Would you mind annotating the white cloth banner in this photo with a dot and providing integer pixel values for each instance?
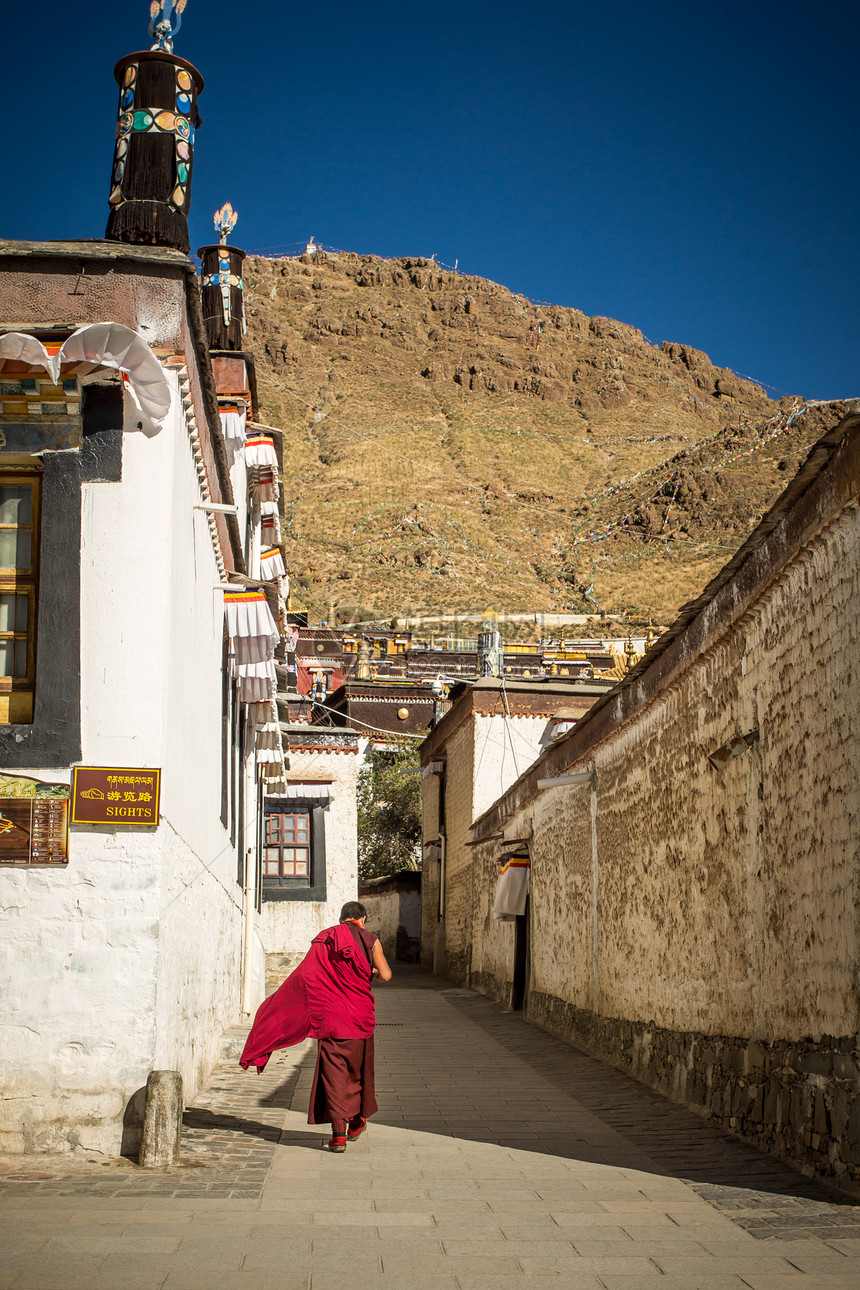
(253, 689)
(512, 887)
(266, 668)
(233, 426)
(264, 714)
(268, 736)
(252, 649)
(266, 487)
(108, 344)
(272, 564)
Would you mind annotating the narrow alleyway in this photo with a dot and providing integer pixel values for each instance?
(501, 1159)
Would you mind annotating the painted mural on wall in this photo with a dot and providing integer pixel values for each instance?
(34, 821)
(37, 415)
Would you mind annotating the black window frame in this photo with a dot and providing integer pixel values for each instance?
(293, 889)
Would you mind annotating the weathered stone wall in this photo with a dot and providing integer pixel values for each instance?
(393, 907)
(432, 786)
(493, 942)
(709, 942)
(455, 962)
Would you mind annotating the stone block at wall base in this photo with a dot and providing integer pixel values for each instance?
(63, 1121)
(501, 992)
(278, 968)
(786, 1097)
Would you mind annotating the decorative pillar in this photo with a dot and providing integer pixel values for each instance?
(151, 185)
(222, 286)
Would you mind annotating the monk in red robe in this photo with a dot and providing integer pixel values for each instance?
(328, 996)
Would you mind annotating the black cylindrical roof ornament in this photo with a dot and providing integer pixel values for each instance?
(151, 185)
(222, 286)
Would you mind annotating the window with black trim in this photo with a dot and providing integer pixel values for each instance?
(287, 842)
(19, 567)
(293, 848)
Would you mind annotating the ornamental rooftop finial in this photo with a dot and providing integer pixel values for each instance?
(160, 27)
(225, 221)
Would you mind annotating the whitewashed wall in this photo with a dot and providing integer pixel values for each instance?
(130, 958)
(504, 748)
(289, 926)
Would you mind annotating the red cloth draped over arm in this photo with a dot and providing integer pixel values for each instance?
(328, 996)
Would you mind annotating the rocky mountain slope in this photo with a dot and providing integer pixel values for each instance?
(451, 446)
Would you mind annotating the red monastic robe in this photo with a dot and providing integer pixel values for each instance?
(328, 996)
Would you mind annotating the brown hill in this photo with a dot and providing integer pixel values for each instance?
(452, 446)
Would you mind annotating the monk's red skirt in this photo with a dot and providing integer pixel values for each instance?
(343, 1081)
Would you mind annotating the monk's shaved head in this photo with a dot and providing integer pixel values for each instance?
(352, 909)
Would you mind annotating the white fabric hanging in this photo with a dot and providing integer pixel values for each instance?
(252, 649)
(117, 346)
(270, 530)
(108, 344)
(253, 689)
(268, 738)
(21, 348)
(264, 714)
(264, 668)
(512, 887)
(310, 791)
(233, 426)
(265, 486)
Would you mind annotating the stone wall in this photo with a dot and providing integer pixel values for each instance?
(393, 907)
(432, 788)
(701, 927)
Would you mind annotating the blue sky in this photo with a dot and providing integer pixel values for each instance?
(691, 170)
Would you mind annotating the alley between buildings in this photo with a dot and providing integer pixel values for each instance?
(501, 1159)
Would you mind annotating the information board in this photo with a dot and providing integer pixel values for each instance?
(34, 821)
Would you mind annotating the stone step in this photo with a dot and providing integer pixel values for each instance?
(232, 1043)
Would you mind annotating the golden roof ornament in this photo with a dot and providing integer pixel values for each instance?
(362, 671)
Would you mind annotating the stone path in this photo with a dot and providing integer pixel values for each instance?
(501, 1159)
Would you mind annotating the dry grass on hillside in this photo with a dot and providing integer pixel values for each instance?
(444, 454)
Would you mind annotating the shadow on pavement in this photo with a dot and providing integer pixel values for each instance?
(554, 1097)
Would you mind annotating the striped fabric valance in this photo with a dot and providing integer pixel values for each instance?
(271, 563)
(248, 614)
(233, 423)
(260, 452)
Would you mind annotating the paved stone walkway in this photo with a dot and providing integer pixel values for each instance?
(501, 1159)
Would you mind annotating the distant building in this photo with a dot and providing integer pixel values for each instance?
(371, 663)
